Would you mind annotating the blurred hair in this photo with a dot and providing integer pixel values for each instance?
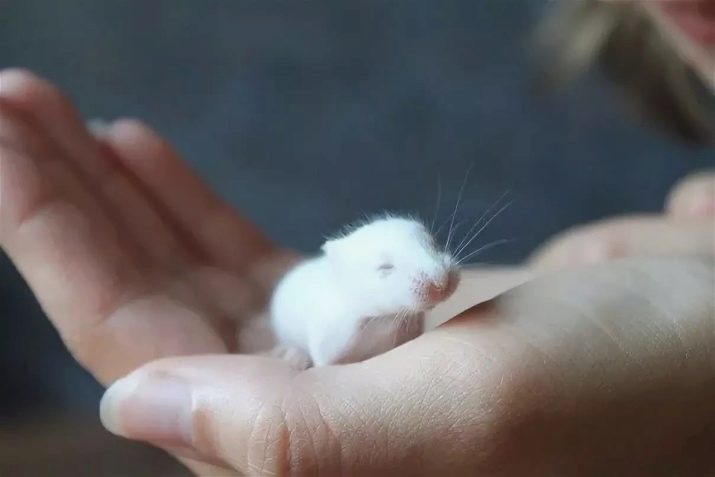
(636, 55)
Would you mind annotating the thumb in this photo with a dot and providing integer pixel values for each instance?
(219, 409)
(259, 416)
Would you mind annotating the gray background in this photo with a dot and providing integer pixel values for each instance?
(307, 114)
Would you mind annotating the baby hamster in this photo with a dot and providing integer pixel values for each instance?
(365, 294)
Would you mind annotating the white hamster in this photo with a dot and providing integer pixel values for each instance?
(365, 294)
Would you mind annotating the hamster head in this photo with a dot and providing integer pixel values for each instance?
(392, 265)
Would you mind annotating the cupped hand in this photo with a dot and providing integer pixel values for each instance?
(686, 227)
(596, 371)
(131, 256)
(135, 260)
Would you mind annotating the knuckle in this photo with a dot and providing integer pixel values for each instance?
(268, 443)
(288, 438)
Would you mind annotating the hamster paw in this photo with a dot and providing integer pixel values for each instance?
(294, 356)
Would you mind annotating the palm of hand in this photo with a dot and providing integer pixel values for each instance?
(151, 263)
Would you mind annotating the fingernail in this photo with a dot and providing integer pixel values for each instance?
(148, 407)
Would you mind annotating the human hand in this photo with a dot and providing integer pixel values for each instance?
(596, 371)
(107, 243)
(686, 227)
(130, 255)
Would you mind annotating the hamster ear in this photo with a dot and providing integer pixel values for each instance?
(330, 247)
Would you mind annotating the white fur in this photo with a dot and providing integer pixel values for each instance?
(364, 295)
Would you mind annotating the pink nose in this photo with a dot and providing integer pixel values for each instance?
(434, 293)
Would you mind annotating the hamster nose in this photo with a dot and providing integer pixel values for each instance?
(436, 291)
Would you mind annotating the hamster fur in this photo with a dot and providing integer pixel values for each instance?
(365, 294)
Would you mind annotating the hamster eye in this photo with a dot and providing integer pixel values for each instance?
(385, 268)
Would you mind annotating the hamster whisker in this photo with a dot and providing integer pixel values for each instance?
(456, 206)
(395, 318)
(461, 261)
(455, 229)
(436, 207)
(399, 316)
(439, 229)
(481, 229)
(399, 320)
(467, 236)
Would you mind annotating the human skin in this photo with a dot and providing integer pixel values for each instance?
(685, 227)
(603, 370)
(690, 27)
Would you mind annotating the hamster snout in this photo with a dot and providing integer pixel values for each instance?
(433, 292)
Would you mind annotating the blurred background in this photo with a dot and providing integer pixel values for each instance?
(306, 115)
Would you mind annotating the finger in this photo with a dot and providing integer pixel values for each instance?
(625, 237)
(54, 113)
(694, 196)
(80, 266)
(217, 232)
(23, 143)
(52, 110)
(56, 233)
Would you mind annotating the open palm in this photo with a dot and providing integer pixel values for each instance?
(130, 255)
